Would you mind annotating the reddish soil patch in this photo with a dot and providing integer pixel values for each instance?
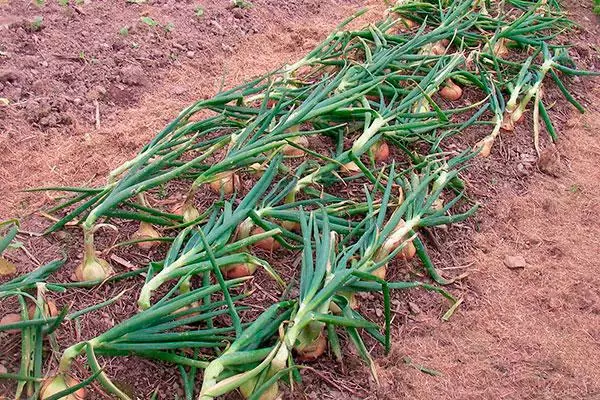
(520, 333)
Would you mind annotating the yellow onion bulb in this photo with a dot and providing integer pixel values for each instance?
(9, 319)
(256, 169)
(352, 302)
(146, 231)
(186, 210)
(485, 146)
(500, 48)
(408, 251)
(451, 91)
(382, 151)
(50, 309)
(58, 383)
(92, 268)
(225, 181)
(292, 151)
(233, 271)
(269, 244)
(313, 350)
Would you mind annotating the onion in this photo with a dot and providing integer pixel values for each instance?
(352, 302)
(380, 272)
(451, 91)
(382, 151)
(187, 210)
(292, 151)
(485, 146)
(225, 181)
(350, 168)
(248, 387)
(92, 268)
(146, 231)
(11, 318)
(233, 271)
(256, 169)
(291, 226)
(269, 244)
(50, 309)
(407, 253)
(312, 351)
(58, 383)
(407, 23)
(500, 49)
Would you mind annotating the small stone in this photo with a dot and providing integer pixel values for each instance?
(98, 21)
(77, 101)
(179, 90)
(515, 262)
(9, 75)
(190, 54)
(413, 307)
(238, 13)
(3, 369)
(227, 48)
(549, 162)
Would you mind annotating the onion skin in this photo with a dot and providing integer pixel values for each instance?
(382, 152)
(226, 181)
(380, 272)
(291, 226)
(485, 146)
(350, 168)
(292, 151)
(50, 309)
(451, 91)
(58, 383)
(11, 319)
(312, 351)
(186, 210)
(234, 271)
(146, 231)
(268, 244)
(248, 387)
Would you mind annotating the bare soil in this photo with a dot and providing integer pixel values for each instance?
(526, 333)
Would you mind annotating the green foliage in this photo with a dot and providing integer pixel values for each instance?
(199, 11)
(241, 3)
(148, 21)
(36, 24)
(597, 7)
(124, 31)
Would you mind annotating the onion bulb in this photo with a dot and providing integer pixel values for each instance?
(247, 389)
(350, 168)
(407, 23)
(292, 151)
(146, 231)
(485, 146)
(291, 226)
(50, 309)
(58, 383)
(233, 271)
(269, 244)
(256, 169)
(11, 318)
(380, 272)
(500, 48)
(451, 91)
(408, 251)
(350, 297)
(186, 210)
(225, 181)
(92, 268)
(313, 350)
(382, 151)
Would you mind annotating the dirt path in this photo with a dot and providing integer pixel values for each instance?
(531, 333)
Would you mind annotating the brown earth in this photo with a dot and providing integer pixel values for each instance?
(527, 333)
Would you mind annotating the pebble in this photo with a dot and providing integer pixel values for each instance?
(515, 262)
(190, 54)
(3, 369)
(413, 307)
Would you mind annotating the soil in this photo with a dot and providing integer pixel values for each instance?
(85, 95)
